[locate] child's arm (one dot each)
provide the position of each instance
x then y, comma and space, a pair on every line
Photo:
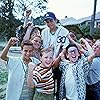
77, 44
30, 75
58, 59
11, 42
28, 12
27, 24
90, 50
28, 32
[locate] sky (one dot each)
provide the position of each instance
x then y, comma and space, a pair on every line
70, 8
73, 8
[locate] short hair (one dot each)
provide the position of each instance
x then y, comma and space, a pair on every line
27, 42
46, 50
88, 37
35, 28
72, 32
35, 35
98, 40
73, 45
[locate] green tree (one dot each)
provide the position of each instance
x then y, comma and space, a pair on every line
38, 7
9, 10
85, 29
8, 21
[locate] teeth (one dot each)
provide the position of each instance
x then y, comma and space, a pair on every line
73, 56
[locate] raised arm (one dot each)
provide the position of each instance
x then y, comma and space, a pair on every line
31, 67
11, 42
74, 42
57, 60
90, 50
77, 44
28, 32
28, 12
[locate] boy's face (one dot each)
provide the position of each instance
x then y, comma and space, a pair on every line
51, 23
47, 59
36, 42
27, 52
36, 31
96, 48
73, 54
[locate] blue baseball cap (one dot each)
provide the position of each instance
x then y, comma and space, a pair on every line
49, 15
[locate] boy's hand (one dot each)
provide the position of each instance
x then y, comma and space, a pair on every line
31, 66
69, 37
13, 41
30, 27
28, 12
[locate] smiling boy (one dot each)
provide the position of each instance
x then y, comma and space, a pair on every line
17, 88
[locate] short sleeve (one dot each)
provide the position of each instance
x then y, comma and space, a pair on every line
36, 77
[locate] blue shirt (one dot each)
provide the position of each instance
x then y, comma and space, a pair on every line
94, 71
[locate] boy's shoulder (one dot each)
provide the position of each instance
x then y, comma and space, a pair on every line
13, 57
35, 60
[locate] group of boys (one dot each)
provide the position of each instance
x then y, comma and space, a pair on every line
53, 35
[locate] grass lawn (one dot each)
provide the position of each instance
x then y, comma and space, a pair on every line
3, 81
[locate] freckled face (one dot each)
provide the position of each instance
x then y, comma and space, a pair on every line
89, 41
47, 59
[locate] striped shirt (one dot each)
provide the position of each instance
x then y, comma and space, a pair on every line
43, 79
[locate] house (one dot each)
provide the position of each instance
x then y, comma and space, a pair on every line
82, 21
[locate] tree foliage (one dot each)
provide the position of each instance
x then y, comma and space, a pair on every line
38, 7
85, 29
8, 21
10, 9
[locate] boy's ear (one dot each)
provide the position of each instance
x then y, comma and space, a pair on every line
40, 58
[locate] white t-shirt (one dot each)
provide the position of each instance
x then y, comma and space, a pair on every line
70, 85
56, 40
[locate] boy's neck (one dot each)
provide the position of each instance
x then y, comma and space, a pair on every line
44, 66
54, 29
26, 61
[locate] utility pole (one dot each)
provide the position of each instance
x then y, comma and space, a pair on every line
93, 18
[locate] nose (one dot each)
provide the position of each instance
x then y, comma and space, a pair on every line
28, 52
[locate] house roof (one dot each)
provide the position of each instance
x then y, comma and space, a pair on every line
73, 21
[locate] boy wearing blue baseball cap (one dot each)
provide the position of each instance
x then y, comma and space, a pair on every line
55, 36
